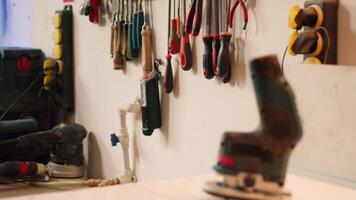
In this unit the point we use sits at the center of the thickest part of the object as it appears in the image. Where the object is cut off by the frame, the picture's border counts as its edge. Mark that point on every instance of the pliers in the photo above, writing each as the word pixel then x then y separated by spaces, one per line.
pixel 244 11
pixel 195 14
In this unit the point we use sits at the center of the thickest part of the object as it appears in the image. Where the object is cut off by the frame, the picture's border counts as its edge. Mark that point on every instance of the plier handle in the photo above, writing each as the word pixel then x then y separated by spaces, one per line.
pixel 195 15
pixel 244 11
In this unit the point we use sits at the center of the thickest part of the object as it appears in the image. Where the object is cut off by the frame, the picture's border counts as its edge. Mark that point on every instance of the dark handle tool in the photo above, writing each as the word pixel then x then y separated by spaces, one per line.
pixel 168 83
pixel 244 11
pixel 140 22
pixel 223 62
pixel 215 51
pixel 119 58
pixel 207 57
pixel 122 38
pixel 190 19
pixel 128 34
pixel 134 31
pixel 198 17
pixel 186 52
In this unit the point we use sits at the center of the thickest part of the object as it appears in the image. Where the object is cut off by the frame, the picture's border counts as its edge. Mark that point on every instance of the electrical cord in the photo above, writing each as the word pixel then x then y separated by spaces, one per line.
pixel 20 96
pixel 284 58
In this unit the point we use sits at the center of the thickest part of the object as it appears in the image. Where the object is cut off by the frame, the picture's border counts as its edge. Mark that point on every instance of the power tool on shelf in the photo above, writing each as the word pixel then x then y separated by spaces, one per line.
pixel 253 165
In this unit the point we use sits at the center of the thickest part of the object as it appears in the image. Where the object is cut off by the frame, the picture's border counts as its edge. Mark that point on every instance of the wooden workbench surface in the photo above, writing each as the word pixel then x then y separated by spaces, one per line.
pixel 178 189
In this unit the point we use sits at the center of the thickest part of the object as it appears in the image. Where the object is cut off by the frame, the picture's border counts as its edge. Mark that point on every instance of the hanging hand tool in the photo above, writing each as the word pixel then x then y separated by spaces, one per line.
pixel 133 34
pixel 195 15
pixel 94 14
pixel 140 22
pixel 215 36
pixel 113 38
pixel 119 58
pixel 134 23
pixel 207 39
pixel 179 23
pixel 223 63
pixel 185 49
pixel 168 83
pixel 244 11
pixel 146 44
pixel 128 24
pixel 173 40
pixel 150 103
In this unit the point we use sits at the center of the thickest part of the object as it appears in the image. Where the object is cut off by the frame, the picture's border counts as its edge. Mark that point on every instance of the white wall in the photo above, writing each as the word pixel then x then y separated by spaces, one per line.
pixel 18 30
pixel 197 113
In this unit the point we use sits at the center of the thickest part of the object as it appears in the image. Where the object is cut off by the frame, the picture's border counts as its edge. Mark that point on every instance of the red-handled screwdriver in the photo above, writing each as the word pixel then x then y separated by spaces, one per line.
pixel 185 48
pixel 174 39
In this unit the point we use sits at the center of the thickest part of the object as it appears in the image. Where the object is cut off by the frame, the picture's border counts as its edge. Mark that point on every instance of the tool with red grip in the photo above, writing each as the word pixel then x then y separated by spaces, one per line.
pixel 244 11
pixel 173 38
pixel 185 48
pixel 194 16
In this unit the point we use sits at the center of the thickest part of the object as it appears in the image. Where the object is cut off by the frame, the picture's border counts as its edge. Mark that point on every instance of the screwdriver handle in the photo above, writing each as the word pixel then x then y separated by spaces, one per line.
pixel 112 38
pixel 119 58
pixel 122 38
pixel 207 57
pixel 168 83
pixel 140 22
pixel 215 51
pixel 190 18
pixel 198 17
pixel 223 62
pixel 174 40
pixel 146 50
pixel 179 24
pixel 134 31
pixel 185 52
pixel 128 34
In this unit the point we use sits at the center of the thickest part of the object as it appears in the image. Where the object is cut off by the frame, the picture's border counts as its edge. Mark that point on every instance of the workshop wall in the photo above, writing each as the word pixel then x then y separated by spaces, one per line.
pixel 15 28
pixel 199 110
